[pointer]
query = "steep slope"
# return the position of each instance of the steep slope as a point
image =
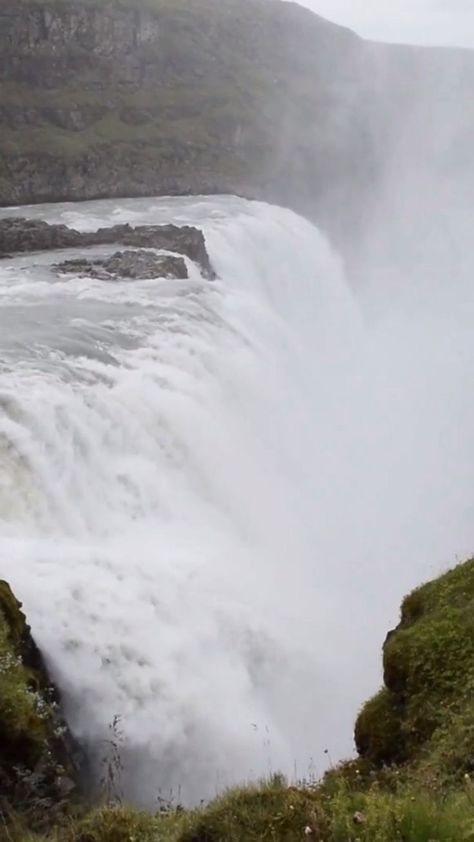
(424, 713)
(259, 98)
(112, 98)
(39, 760)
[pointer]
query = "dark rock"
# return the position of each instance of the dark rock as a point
(184, 240)
(25, 235)
(21, 235)
(75, 266)
(145, 264)
(136, 265)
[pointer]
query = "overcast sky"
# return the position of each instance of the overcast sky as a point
(414, 21)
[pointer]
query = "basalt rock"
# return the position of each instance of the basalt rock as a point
(127, 265)
(20, 235)
(184, 240)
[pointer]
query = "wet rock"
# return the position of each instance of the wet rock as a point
(136, 264)
(182, 239)
(145, 264)
(21, 235)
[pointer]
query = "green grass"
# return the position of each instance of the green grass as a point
(274, 812)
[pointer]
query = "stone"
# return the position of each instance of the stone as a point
(20, 235)
(137, 264)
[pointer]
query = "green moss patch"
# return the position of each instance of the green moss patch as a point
(429, 678)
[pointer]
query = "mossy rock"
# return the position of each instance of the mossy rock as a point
(428, 672)
(12, 615)
(378, 731)
(38, 758)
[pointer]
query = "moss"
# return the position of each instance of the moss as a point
(428, 673)
(36, 748)
(378, 733)
(24, 718)
(12, 619)
(270, 811)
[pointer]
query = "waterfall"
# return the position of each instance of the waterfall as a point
(213, 494)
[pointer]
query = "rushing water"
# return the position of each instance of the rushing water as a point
(214, 494)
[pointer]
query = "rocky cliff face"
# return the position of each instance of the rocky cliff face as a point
(39, 760)
(258, 98)
(120, 98)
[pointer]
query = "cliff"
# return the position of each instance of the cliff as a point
(262, 99)
(39, 760)
(176, 97)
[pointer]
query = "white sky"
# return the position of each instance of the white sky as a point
(409, 21)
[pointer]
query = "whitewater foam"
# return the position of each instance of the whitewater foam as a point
(213, 494)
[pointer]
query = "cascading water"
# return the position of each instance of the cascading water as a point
(213, 494)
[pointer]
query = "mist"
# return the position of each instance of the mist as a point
(435, 22)
(227, 496)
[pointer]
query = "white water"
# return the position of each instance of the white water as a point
(214, 494)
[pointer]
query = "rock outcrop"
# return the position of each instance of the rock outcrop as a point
(22, 235)
(19, 235)
(127, 265)
(39, 759)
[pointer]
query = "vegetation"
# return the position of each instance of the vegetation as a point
(425, 713)
(36, 749)
(411, 783)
